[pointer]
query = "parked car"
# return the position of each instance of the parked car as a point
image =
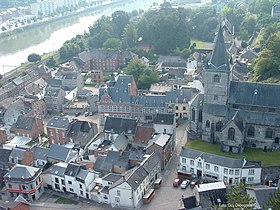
(86, 114)
(185, 184)
(194, 182)
(77, 114)
(177, 182)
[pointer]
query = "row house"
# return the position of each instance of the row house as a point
(25, 181)
(57, 128)
(36, 88)
(28, 126)
(228, 170)
(70, 80)
(8, 90)
(58, 153)
(54, 98)
(40, 156)
(43, 71)
(22, 81)
(4, 163)
(38, 106)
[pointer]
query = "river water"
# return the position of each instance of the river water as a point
(49, 37)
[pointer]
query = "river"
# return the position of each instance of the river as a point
(49, 37)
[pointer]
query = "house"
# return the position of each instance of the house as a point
(43, 71)
(54, 178)
(36, 88)
(21, 155)
(3, 136)
(261, 194)
(25, 181)
(22, 81)
(163, 146)
(18, 141)
(4, 163)
(59, 153)
(97, 76)
(54, 98)
(70, 80)
(275, 11)
(40, 156)
(211, 194)
(160, 89)
(14, 205)
(120, 143)
(79, 180)
(248, 55)
(115, 126)
(38, 106)
(165, 63)
(28, 126)
(57, 128)
(164, 123)
(219, 168)
(81, 132)
(227, 114)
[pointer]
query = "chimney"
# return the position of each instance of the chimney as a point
(129, 88)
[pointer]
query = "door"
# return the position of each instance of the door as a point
(199, 173)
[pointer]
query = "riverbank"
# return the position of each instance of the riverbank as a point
(57, 18)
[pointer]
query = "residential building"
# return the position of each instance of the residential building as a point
(43, 71)
(40, 156)
(164, 123)
(97, 76)
(54, 98)
(142, 136)
(36, 88)
(227, 114)
(57, 129)
(160, 89)
(220, 168)
(28, 126)
(21, 155)
(14, 205)
(70, 80)
(4, 163)
(59, 153)
(25, 181)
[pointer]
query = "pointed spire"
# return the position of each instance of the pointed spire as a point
(219, 57)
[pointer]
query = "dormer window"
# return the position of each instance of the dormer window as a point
(216, 79)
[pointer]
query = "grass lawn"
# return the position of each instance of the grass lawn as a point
(267, 158)
(62, 200)
(200, 44)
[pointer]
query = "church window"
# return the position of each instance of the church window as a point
(268, 133)
(231, 134)
(200, 116)
(219, 126)
(193, 114)
(207, 124)
(216, 78)
(251, 131)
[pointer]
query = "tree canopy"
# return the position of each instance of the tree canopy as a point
(33, 57)
(274, 200)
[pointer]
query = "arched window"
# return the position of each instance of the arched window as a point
(269, 133)
(216, 78)
(207, 123)
(231, 134)
(200, 116)
(219, 126)
(251, 131)
(193, 114)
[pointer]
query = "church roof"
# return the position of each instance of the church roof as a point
(219, 57)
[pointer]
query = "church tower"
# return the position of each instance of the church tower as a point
(216, 76)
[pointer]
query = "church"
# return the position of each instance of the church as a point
(235, 114)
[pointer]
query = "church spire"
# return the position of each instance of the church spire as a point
(219, 57)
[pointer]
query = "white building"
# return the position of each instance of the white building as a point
(220, 168)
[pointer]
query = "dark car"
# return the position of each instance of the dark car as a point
(177, 182)
(195, 182)
(77, 114)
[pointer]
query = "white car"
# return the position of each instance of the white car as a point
(185, 184)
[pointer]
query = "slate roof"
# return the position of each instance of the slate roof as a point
(115, 158)
(58, 152)
(36, 86)
(212, 158)
(52, 91)
(67, 75)
(256, 94)
(143, 134)
(120, 125)
(219, 57)
(181, 96)
(249, 54)
(173, 59)
(121, 142)
(164, 119)
(40, 152)
(216, 109)
(57, 169)
(276, 8)
(261, 194)
(42, 69)
(5, 154)
(54, 82)
(150, 162)
(59, 122)
(21, 171)
(17, 153)
(137, 177)
(112, 177)
(73, 169)
(24, 123)
(160, 139)
(198, 100)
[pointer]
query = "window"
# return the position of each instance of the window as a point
(191, 170)
(230, 171)
(216, 168)
(251, 171)
(207, 124)
(250, 179)
(225, 171)
(81, 186)
(184, 108)
(200, 116)
(219, 126)
(199, 165)
(31, 186)
(71, 189)
(269, 133)
(10, 186)
(62, 182)
(82, 193)
(216, 78)
(207, 166)
(117, 199)
(231, 134)
(251, 131)
(118, 193)
(56, 180)
(183, 160)
(236, 180)
(237, 172)
(191, 162)
(176, 107)
(225, 178)
(56, 186)
(69, 182)
(193, 114)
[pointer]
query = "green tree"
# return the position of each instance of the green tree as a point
(51, 62)
(237, 197)
(112, 43)
(3, 28)
(130, 36)
(33, 57)
(119, 20)
(249, 24)
(274, 200)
